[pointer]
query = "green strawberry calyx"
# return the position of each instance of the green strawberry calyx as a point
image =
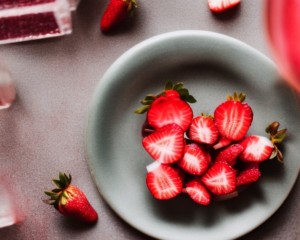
(276, 136)
(178, 87)
(237, 97)
(59, 195)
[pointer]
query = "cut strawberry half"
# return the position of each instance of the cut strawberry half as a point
(163, 181)
(167, 110)
(257, 148)
(223, 142)
(203, 130)
(221, 5)
(233, 118)
(247, 177)
(220, 178)
(197, 192)
(194, 160)
(166, 144)
(230, 154)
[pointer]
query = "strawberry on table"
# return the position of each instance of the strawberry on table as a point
(233, 117)
(166, 144)
(116, 13)
(230, 154)
(163, 181)
(221, 5)
(220, 178)
(194, 160)
(197, 192)
(203, 129)
(260, 148)
(70, 200)
(168, 107)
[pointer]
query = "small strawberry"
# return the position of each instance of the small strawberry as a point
(247, 177)
(230, 154)
(163, 181)
(223, 142)
(166, 144)
(221, 5)
(220, 178)
(194, 160)
(197, 192)
(116, 13)
(170, 106)
(260, 148)
(233, 118)
(70, 200)
(203, 129)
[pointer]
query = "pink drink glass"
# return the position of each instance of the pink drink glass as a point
(7, 88)
(283, 27)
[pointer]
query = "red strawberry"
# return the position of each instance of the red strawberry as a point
(166, 144)
(70, 200)
(230, 154)
(259, 148)
(247, 177)
(163, 181)
(233, 118)
(220, 5)
(203, 130)
(170, 106)
(223, 142)
(197, 192)
(117, 12)
(220, 178)
(194, 160)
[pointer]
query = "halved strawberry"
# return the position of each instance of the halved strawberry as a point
(230, 154)
(194, 160)
(170, 106)
(247, 177)
(166, 144)
(163, 181)
(220, 178)
(223, 142)
(197, 192)
(256, 148)
(220, 5)
(203, 129)
(233, 118)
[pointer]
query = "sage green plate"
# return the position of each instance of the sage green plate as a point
(211, 66)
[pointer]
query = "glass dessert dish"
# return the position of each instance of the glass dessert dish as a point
(23, 20)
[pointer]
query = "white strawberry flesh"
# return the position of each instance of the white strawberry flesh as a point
(256, 148)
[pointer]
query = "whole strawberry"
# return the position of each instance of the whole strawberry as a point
(117, 12)
(70, 200)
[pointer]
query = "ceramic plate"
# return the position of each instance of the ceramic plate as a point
(211, 66)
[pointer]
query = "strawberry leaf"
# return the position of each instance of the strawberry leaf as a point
(57, 183)
(183, 92)
(190, 99)
(169, 86)
(150, 97)
(178, 86)
(142, 109)
(146, 102)
(279, 136)
(273, 154)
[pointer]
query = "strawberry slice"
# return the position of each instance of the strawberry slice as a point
(203, 130)
(230, 154)
(220, 5)
(197, 192)
(256, 148)
(166, 110)
(247, 177)
(220, 178)
(166, 144)
(163, 181)
(194, 160)
(233, 118)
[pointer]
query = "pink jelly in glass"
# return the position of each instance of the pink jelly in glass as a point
(283, 27)
(23, 20)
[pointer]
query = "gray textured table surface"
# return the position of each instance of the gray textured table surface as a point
(43, 132)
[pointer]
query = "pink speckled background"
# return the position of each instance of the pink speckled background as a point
(43, 132)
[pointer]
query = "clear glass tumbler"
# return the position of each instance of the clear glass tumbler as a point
(7, 88)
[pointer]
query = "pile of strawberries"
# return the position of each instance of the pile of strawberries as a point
(207, 157)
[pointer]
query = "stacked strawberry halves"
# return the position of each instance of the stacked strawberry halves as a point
(204, 156)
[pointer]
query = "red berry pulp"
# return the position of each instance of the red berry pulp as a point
(6, 4)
